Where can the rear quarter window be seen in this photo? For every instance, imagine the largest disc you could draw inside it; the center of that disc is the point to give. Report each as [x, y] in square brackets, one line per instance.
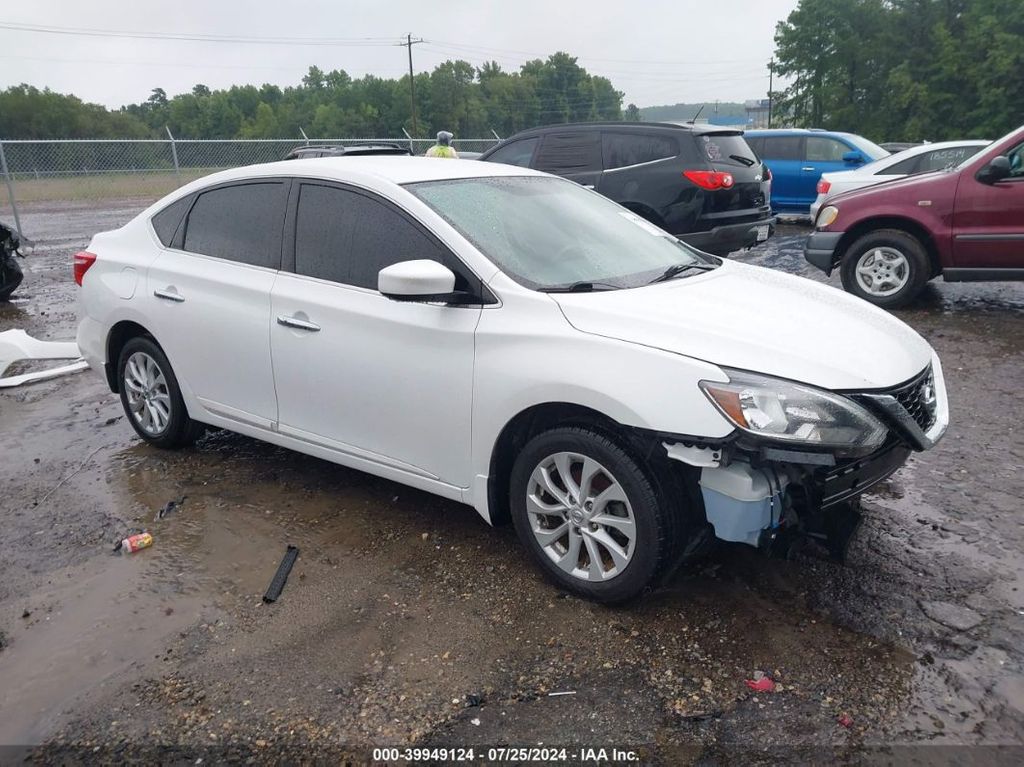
[782, 148]
[166, 222]
[620, 150]
[726, 149]
[517, 153]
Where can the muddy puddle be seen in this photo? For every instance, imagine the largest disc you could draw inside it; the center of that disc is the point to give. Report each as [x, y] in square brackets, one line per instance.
[408, 620]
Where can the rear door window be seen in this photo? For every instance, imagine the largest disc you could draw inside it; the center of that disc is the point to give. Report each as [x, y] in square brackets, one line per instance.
[783, 148]
[239, 223]
[726, 149]
[517, 153]
[620, 150]
[569, 153]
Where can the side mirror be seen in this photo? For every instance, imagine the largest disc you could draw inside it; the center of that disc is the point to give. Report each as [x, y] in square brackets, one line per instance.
[423, 280]
[853, 157]
[995, 170]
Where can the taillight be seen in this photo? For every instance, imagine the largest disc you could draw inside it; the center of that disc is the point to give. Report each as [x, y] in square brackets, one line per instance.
[710, 179]
[82, 261]
[823, 186]
[767, 173]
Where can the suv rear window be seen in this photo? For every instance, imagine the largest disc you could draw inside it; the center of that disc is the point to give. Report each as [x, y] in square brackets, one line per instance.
[726, 149]
[623, 149]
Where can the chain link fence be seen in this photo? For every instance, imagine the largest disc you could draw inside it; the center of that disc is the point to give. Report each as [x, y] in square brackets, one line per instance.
[84, 171]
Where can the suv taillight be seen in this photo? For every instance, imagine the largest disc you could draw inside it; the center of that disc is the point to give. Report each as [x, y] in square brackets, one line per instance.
[82, 261]
[767, 173]
[823, 186]
[710, 179]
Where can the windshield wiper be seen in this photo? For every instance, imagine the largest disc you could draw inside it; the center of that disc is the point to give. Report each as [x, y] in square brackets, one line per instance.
[677, 269]
[580, 287]
[741, 159]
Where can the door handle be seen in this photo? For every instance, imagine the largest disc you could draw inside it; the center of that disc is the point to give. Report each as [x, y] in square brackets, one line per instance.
[169, 295]
[293, 322]
[807, 168]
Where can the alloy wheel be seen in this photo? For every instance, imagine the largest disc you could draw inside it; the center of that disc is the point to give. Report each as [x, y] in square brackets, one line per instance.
[149, 399]
[581, 517]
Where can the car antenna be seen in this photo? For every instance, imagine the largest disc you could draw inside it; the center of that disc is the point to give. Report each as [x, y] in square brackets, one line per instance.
[693, 119]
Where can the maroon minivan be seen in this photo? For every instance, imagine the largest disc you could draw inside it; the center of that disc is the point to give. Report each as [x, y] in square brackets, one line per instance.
[965, 223]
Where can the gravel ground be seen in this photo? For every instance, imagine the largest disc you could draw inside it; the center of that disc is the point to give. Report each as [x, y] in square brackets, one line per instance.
[408, 622]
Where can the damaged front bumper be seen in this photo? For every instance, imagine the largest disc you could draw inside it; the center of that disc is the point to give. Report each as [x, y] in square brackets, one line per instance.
[754, 489]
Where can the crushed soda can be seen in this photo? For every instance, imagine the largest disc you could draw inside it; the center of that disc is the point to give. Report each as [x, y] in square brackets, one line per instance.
[133, 543]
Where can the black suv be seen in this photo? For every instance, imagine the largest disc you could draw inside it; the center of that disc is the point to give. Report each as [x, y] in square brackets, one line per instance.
[702, 183]
[336, 150]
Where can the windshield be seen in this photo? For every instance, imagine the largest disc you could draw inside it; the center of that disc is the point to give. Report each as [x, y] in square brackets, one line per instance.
[870, 148]
[551, 234]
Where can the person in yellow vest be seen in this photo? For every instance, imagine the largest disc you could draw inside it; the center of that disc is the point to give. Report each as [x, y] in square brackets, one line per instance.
[443, 147]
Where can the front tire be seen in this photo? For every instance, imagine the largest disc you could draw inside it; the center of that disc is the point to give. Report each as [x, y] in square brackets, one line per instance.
[151, 396]
[887, 268]
[589, 516]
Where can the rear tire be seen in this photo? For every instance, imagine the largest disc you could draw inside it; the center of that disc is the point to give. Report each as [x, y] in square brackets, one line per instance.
[10, 276]
[604, 533]
[152, 398]
[888, 268]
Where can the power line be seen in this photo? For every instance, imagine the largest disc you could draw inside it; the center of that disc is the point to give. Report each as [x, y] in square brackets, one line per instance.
[201, 38]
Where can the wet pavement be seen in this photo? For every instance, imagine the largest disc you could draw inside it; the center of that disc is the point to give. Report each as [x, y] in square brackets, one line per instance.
[408, 621]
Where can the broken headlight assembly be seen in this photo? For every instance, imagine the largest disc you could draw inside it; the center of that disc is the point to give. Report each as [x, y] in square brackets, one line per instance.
[776, 409]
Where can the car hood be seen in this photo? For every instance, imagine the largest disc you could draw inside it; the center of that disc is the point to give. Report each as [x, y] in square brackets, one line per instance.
[759, 320]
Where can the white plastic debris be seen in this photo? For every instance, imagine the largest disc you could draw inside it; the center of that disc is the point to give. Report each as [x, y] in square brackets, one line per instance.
[17, 345]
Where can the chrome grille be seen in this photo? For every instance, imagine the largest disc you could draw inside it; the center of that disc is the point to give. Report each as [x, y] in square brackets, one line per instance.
[918, 399]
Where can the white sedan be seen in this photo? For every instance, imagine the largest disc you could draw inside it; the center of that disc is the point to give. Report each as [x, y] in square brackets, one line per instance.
[513, 341]
[918, 159]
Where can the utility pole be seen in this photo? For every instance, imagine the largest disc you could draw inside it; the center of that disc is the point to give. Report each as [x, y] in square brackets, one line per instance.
[409, 43]
[771, 82]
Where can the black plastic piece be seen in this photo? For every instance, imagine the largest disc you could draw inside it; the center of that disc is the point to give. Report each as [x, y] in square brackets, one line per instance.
[281, 576]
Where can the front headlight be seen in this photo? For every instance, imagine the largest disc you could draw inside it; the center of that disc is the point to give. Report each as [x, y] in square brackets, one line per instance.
[826, 216]
[791, 412]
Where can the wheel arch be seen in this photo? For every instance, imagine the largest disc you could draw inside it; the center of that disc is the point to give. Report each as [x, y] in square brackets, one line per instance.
[120, 334]
[541, 417]
[899, 223]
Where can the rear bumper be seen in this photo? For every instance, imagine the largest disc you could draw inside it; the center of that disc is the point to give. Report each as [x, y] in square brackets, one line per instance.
[820, 249]
[724, 239]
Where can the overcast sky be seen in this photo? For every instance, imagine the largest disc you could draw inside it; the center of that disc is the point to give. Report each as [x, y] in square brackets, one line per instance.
[656, 51]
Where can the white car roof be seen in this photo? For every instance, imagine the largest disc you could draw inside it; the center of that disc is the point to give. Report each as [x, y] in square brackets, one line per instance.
[386, 168]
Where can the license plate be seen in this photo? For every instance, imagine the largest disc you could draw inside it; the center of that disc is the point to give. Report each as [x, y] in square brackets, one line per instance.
[762, 233]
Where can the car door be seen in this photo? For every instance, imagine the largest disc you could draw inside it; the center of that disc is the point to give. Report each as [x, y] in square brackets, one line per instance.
[784, 157]
[208, 298]
[575, 155]
[636, 174]
[822, 154]
[988, 218]
[385, 381]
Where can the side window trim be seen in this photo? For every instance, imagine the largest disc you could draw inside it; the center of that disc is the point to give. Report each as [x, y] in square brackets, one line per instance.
[291, 232]
[178, 243]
